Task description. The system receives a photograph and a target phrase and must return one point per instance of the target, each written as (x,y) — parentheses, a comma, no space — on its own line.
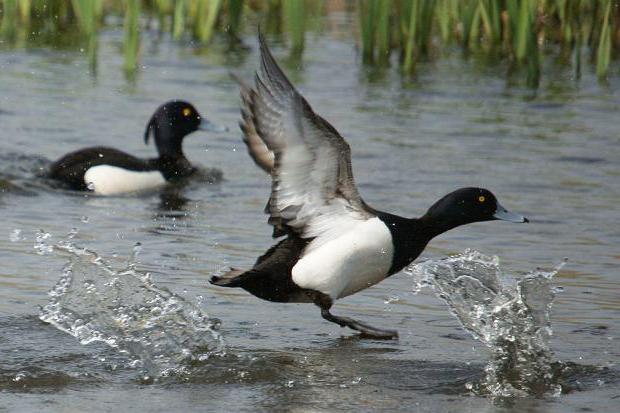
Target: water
(550,154)
(510,317)
(159,331)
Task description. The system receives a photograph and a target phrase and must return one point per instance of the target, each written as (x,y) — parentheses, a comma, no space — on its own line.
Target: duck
(333,243)
(109,171)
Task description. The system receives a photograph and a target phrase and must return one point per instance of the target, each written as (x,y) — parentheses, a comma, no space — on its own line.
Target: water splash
(511,317)
(41,244)
(161,332)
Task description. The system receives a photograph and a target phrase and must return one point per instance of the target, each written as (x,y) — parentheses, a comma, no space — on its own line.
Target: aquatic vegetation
(204,14)
(295,23)
(9,19)
(132,35)
(517,32)
(158,330)
(88,14)
(509,316)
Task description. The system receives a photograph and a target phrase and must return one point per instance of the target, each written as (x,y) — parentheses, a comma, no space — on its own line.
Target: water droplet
(16,235)
(90,186)
(19,376)
(84,219)
(392,299)
(72,233)
(290,384)
(40,243)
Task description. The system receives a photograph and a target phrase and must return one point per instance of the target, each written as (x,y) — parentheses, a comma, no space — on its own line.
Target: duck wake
(159,331)
(511,317)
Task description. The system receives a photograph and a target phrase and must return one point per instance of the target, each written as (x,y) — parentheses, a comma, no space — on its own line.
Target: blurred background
(523,37)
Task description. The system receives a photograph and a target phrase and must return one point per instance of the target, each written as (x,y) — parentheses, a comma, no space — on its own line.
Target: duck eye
(187,112)
(481,198)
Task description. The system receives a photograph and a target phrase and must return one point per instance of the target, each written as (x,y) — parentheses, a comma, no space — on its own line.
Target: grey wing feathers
(313,190)
(258,150)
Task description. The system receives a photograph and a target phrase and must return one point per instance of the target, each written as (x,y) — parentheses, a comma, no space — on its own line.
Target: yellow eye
(187,112)
(481,198)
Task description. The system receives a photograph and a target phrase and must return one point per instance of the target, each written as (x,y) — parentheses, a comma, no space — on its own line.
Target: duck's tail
(232,278)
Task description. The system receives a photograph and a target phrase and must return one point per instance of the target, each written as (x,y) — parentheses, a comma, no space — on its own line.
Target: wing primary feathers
(257,149)
(313,193)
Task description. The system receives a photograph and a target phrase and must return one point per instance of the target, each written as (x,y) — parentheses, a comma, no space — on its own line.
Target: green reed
(178,22)
(8,27)
(294,16)
(88,13)
(235,13)
(516,32)
(603,54)
(132,36)
(204,16)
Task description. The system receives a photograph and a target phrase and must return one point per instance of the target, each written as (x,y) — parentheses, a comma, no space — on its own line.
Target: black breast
(408,238)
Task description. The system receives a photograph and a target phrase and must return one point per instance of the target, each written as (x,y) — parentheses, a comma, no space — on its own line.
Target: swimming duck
(336,244)
(108,171)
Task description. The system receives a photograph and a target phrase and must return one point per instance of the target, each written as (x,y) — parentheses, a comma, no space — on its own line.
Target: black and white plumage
(109,171)
(335,245)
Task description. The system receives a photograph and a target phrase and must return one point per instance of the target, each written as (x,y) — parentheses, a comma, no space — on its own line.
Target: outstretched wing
(313,192)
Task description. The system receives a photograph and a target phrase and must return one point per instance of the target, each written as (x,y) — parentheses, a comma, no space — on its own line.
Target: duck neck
(409,238)
(168,139)
(174,166)
(169,145)
(171,161)
(433,225)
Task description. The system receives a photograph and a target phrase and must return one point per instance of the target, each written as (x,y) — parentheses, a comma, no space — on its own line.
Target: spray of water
(510,316)
(159,331)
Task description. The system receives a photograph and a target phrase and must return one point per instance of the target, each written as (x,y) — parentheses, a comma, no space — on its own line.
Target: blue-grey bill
(211,127)
(505,215)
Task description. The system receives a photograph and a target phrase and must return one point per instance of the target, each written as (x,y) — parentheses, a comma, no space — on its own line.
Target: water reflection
(172,203)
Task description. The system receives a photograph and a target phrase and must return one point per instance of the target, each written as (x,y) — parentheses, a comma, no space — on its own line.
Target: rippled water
(550,154)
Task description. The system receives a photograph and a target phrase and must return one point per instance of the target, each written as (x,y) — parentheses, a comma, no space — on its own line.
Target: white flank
(112,180)
(359,258)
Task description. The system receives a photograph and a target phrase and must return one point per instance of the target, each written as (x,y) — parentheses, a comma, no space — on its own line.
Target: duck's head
(465,206)
(172,122)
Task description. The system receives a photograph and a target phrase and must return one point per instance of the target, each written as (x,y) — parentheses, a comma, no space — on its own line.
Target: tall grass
(8,27)
(178,23)
(132,36)
(88,13)
(518,32)
(294,16)
(204,15)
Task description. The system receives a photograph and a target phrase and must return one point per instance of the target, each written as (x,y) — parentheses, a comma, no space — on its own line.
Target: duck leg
(364,329)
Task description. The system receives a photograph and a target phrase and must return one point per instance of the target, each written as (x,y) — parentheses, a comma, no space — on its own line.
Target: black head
(172,122)
(465,206)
